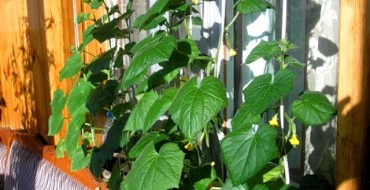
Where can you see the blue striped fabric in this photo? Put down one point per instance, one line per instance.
(27, 171)
(3, 150)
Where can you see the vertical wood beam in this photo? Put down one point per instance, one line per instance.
(353, 94)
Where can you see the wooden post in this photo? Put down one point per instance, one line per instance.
(353, 94)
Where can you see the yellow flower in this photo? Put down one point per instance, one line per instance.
(232, 52)
(274, 121)
(189, 146)
(196, 2)
(294, 140)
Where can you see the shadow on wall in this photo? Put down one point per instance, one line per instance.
(320, 152)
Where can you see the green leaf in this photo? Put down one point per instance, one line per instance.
(159, 107)
(265, 50)
(203, 184)
(229, 186)
(196, 103)
(158, 8)
(100, 155)
(252, 6)
(289, 60)
(110, 30)
(95, 4)
(156, 171)
(72, 67)
(55, 123)
(87, 37)
(116, 178)
(159, 20)
(80, 159)
(153, 53)
(72, 138)
(247, 150)
(197, 21)
(101, 62)
(273, 174)
(144, 141)
(76, 102)
(244, 117)
(83, 17)
(58, 102)
(260, 187)
(103, 95)
(313, 108)
(266, 89)
(61, 148)
(139, 113)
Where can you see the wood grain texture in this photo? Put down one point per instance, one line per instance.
(353, 94)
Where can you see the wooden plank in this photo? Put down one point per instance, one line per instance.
(18, 108)
(353, 94)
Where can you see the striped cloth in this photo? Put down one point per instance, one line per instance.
(3, 150)
(28, 171)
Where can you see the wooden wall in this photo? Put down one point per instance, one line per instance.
(35, 38)
(353, 96)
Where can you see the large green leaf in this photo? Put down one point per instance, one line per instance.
(153, 53)
(159, 107)
(266, 89)
(244, 117)
(139, 113)
(265, 50)
(110, 30)
(143, 142)
(313, 108)
(156, 170)
(252, 6)
(72, 67)
(196, 103)
(247, 150)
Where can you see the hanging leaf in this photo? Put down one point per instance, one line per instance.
(139, 113)
(80, 159)
(58, 102)
(100, 155)
(196, 103)
(72, 139)
(72, 67)
(83, 17)
(95, 4)
(204, 184)
(162, 169)
(265, 50)
(252, 6)
(76, 102)
(247, 150)
(61, 148)
(244, 117)
(101, 62)
(266, 89)
(147, 56)
(289, 60)
(144, 141)
(55, 123)
(87, 37)
(313, 108)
